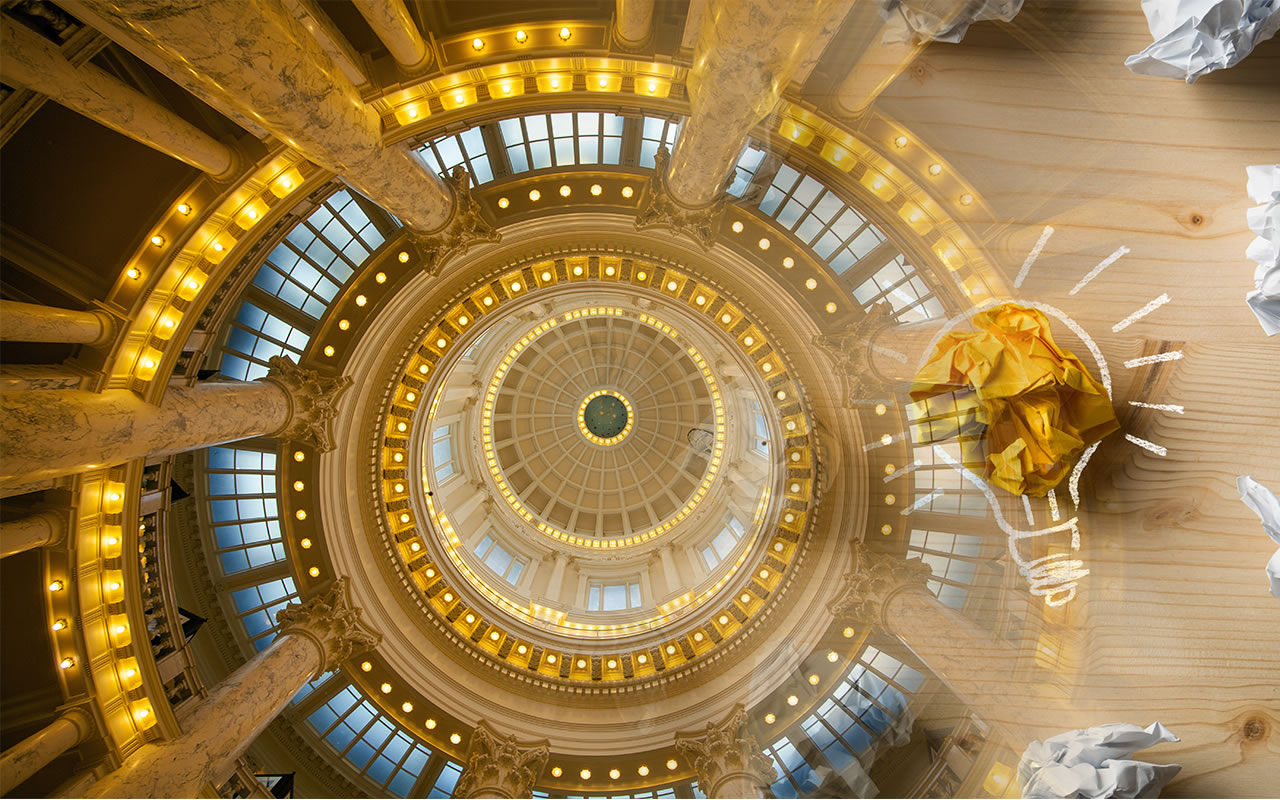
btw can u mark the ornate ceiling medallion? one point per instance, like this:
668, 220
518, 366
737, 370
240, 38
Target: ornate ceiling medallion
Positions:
605, 417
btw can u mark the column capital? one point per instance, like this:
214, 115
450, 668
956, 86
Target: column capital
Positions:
465, 228
850, 355
873, 580
331, 623
724, 753
498, 766
80, 716
660, 209
313, 401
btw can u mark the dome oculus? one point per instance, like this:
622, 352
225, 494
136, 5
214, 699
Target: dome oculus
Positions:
605, 417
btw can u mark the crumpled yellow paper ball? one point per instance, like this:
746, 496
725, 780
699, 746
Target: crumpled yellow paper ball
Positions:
1036, 403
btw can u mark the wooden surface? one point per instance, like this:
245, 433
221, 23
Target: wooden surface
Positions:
1175, 622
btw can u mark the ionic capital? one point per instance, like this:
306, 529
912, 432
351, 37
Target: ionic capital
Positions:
313, 402
331, 623
874, 579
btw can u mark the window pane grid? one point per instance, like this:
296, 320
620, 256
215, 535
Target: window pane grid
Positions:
256, 608
562, 139
467, 148
657, 131
371, 742
242, 502
898, 284
256, 335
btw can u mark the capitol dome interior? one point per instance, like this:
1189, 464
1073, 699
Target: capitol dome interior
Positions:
631, 399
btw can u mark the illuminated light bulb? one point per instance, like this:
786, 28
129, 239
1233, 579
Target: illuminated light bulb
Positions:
789, 517
522, 650
113, 586
413, 113
402, 427
149, 363
794, 456
764, 244
58, 624
811, 284
769, 718
119, 629
252, 213
697, 637
764, 573
556, 772
406, 707
128, 673
314, 572
488, 301
900, 142
440, 343
886, 529
642, 771
328, 350
555, 83
596, 189
168, 322
788, 262
423, 368
430, 573
455, 738
300, 514
831, 308
613, 664
889, 469
766, 366
643, 659
791, 426
286, 183
748, 341
615, 774
477, 44
565, 191
671, 764
448, 597
415, 547
890, 499
157, 240
671, 286
471, 618
344, 324
141, 714
386, 688
565, 33
551, 659
725, 318
848, 633
132, 273
306, 544
671, 650
582, 664
494, 636
398, 457
737, 226
515, 286
724, 620
218, 247
410, 396
886, 439
746, 598
404, 517
966, 199
792, 700
604, 83
184, 209
381, 277
534, 195
431, 724
641, 275
627, 191
459, 98
522, 37
366, 666
813, 680
586, 774
652, 87
114, 497
546, 276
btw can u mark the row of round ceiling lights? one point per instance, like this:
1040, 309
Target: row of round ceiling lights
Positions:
814, 679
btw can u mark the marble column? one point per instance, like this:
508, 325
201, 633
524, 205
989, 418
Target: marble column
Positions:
33, 753
257, 60
29, 322
746, 54
52, 432
392, 24
498, 766
315, 637
890, 593
33, 62
555, 585
729, 761
633, 22
670, 575
27, 533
